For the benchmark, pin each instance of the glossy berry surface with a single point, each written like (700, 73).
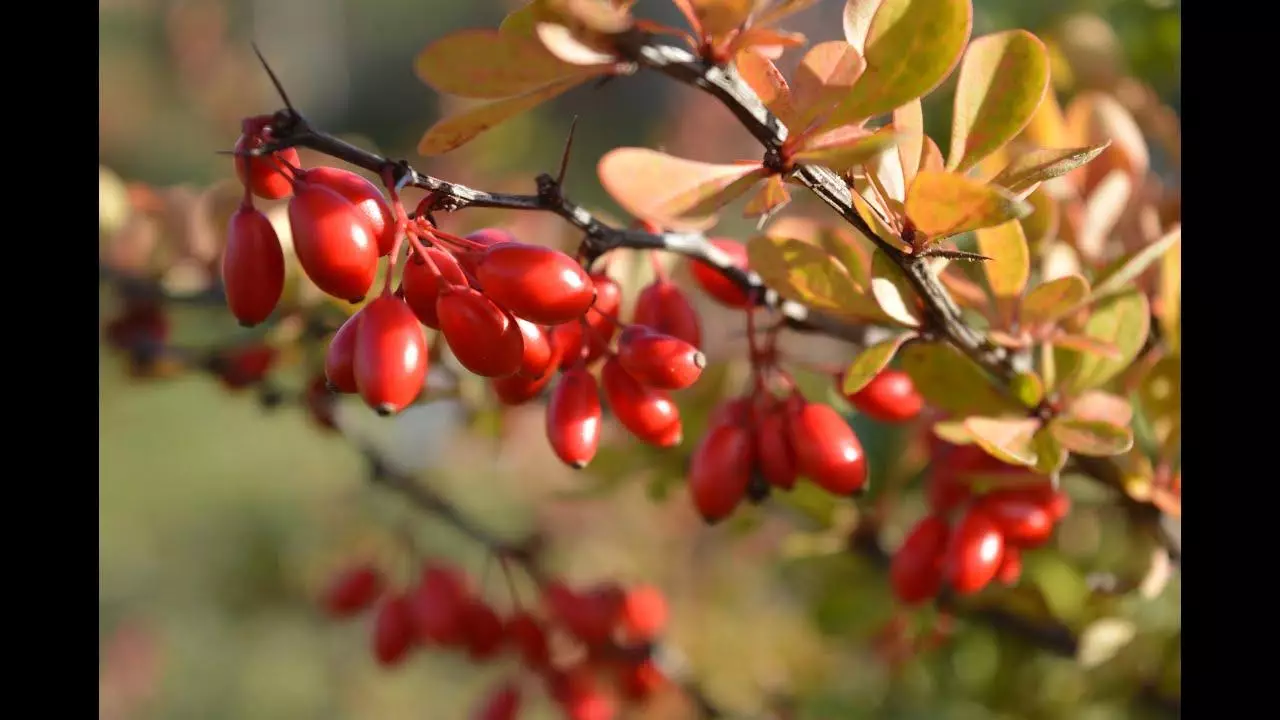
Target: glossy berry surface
(483, 337)
(340, 356)
(659, 361)
(536, 283)
(367, 198)
(333, 240)
(915, 572)
(573, 418)
(252, 266)
(973, 553)
(890, 397)
(663, 307)
(265, 175)
(390, 355)
(647, 413)
(827, 450)
(717, 285)
(422, 282)
(720, 471)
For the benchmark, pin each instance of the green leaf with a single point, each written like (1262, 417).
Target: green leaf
(1028, 388)
(1003, 79)
(1161, 396)
(846, 248)
(1032, 168)
(951, 382)
(1103, 639)
(940, 204)
(845, 147)
(1091, 437)
(871, 361)
(490, 64)
(953, 431)
(910, 47)
(1050, 455)
(1050, 301)
(892, 292)
(1010, 264)
(1117, 278)
(1123, 321)
(1006, 439)
(801, 272)
(458, 130)
(670, 191)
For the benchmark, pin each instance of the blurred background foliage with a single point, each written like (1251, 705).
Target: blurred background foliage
(219, 522)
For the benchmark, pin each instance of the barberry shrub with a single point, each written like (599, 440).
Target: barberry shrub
(1011, 310)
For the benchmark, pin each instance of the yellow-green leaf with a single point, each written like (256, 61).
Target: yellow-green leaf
(1006, 439)
(1161, 396)
(910, 47)
(944, 203)
(825, 75)
(771, 196)
(1010, 264)
(1170, 314)
(953, 431)
(1087, 344)
(1036, 166)
(673, 192)
(1091, 437)
(1003, 78)
(1118, 276)
(490, 64)
(845, 147)
(1050, 301)
(872, 218)
(1103, 639)
(951, 382)
(801, 272)
(892, 291)
(1050, 455)
(1122, 320)
(851, 253)
(456, 131)
(870, 362)
(1028, 388)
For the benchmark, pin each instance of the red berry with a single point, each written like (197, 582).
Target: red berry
(827, 450)
(588, 703)
(340, 356)
(244, 366)
(536, 355)
(915, 573)
(392, 631)
(570, 339)
(438, 606)
(973, 552)
(644, 613)
(639, 681)
(518, 389)
(890, 397)
(391, 355)
(529, 640)
(590, 615)
(647, 413)
(658, 360)
(663, 307)
(483, 337)
(602, 319)
(773, 446)
(1055, 502)
(265, 175)
(720, 471)
(718, 286)
(319, 403)
(333, 240)
(422, 283)
(365, 196)
(252, 266)
(573, 418)
(735, 411)
(353, 591)
(502, 704)
(1010, 566)
(1024, 520)
(536, 283)
(484, 630)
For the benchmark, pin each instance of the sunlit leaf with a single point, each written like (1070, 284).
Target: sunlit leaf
(951, 382)
(872, 218)
(1091, 437)
(565, 45)
(845, 147)
(1122, 320)
(598, 16)
(1087, 344)
(892, 291)
(908, 123)
(456, 131)
(1048, 126)
(930, 157)
(870, 362)
(490, 64)
(1003, 78)
(720, 17)
(1028, 388)
(1006, 439)
(771, 196)
(943, 203)
(779, 9)
(1103, 639)
(953, 431)
(1102, 211)
(1049, 301)
(1037, 166)
(910, 47)
(801, 272)
(825, 75)
(1117, 278)
(852, 253)
(764, 77)
(769, 42)
(1095, 117)
(1101, 406)
(673, 192)
(1170, 297)
(1010, 264)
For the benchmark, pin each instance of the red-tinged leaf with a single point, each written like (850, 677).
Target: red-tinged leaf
(1034, 167)
(1123, 321)
(1091, 437)
(941, 204)
(910, 47)
(766, 79)
(690, 15)
(825, 75)
(718, 18)
(1101, 406)
(489, 64)
(1003, 78)
(931, 157)
(845, 147)
(1049, 301)
(570, 48)
(966, 292)
(780, 9)
(1116, 278)
(673, 192)
(908, 123)
(1010, 264)
(595, 16)
(456, 131)
(769, 42)
(1006, 439)
(871, 361)
(1011, 341)
(1086, 344)
(1095, 117)
(771, 197)
(892, 291)
(801, 272)
(951, 382)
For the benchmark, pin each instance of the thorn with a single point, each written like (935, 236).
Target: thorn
(274, 80)
(564, 157)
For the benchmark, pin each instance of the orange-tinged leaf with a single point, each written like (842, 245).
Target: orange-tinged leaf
(1101, 406)
(1049, 301)
(562, 43)
(1042, 223)
(597, 16)
(892, 291)
(851, 252)
(1091, 437)
(769, 42)
(943, 203)
(930, 157)
(1010, 264)
(1118, 277)
(456, 131)
(910, 47)
(674, 192)
(780, 9)
(766, 79)
(908, 123)
(1003, 78)
(951, 382)
(771, 196)
(870, 362)
(825, 75)
(801, 272)
(1171, 295)
(872, 218)
(690, 15)
(1121, 320)
(1048, 126)
(489, 64)
(845, 147)
(1029, 169)
(966, 292)
(1103, 209)
(1093, 117)
(1006, 439)
(1086, 344)
(720, 17)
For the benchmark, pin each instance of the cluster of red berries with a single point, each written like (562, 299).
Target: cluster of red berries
(968, 539)
(589, 647)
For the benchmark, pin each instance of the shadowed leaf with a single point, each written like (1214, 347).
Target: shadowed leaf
(825, 75)
(892, 292)
(489, 64)
(846, 147)
(1006, 439)
(1091, 437)
(908, 123)
(943, 203)
(1003, 78)
(870, 362)
(1086, 344)
(456, 131)
(1116, 278)
(771, 196)
(1028, 388)
(674, 192)
(1010, 264)
(1122, 320)
(1036, 166)
(764, 77)
(1050, 455)
(872, 218)
(966, 292)
(951, 382)
(1050, 301)
(801, 272)
(1042, 223)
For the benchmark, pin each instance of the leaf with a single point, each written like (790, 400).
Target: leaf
(1003, 78)
(570, 48)
(931, 157)
(870, 362)
(1028, 388)
(825, 75)
(943, 203)
(673, 192)
(892, 292)
(966, 292)
(1161, 396)
(951, 382)
(1050, 301)
(1036, 166)
(455, 131)
(771, 196)
(1101, 406)
(910, 47)
(1010, 264)
(780, 9)
(1006, 439)
(851, 253)
(845, 147)
(1170, 297)
(1122, 320)
(1086, 344)
(490, 64)
(766, 79)
(1102, 211)
(1103, 639)
(1060, 584)
(953, 431)
(908, 123)
(1094, 117)
(1042, 223)
(1050, 455)
(1091, 437)
(1117, 279)
(872, 218)
(801, 272)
